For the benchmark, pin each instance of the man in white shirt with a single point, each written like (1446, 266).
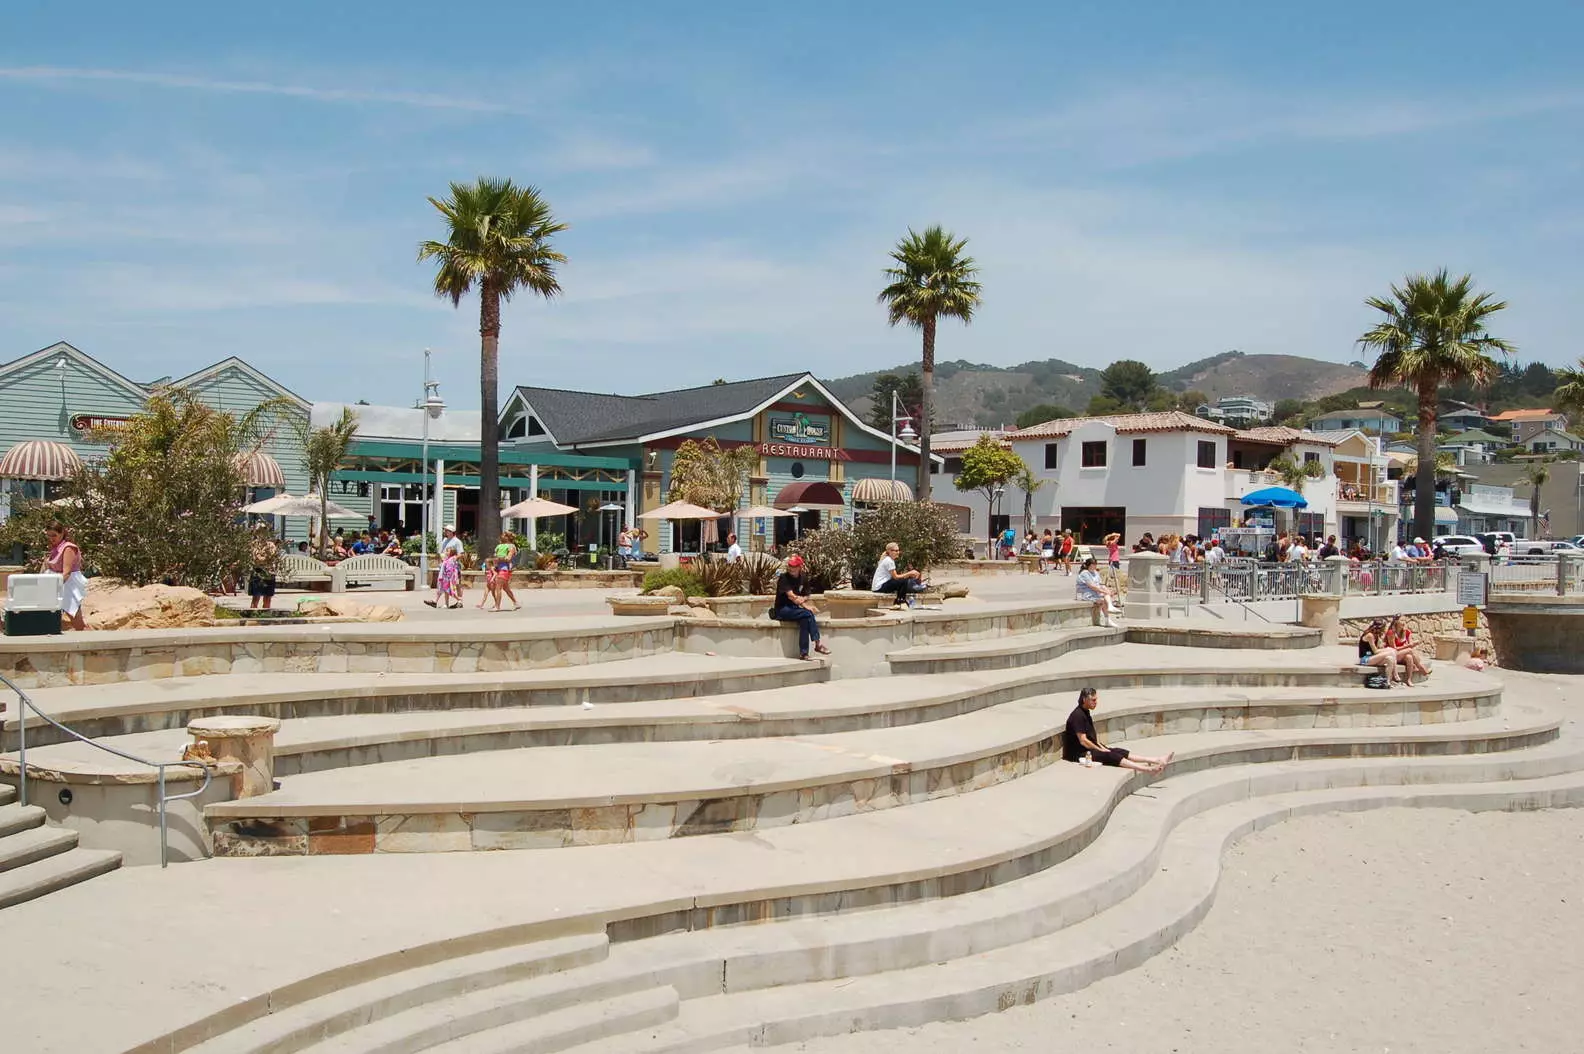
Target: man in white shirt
(734, 551)
(1297, 552)
(887, 579)
(1215, 554)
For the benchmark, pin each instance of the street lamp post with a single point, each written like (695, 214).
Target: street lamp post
(906, 435)
(431, 406)
(995, 503)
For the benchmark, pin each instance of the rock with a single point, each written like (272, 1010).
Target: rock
(112, 605)
(689, 612)
(675, 593)
(697, 602)
(952, 591)
(337, 608)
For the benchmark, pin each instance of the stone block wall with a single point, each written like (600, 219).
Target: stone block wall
(1425, 625)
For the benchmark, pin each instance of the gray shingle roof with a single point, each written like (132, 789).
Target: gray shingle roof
(588, 417)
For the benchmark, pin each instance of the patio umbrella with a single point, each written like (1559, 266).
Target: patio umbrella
(761, 512)
(681, 510)
(308, 505)
(1277, 497)
(536, 509)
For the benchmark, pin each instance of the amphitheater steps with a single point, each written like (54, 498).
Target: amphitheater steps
(1000, 653)
(36, 859)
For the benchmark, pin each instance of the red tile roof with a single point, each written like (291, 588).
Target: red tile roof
(1283, 436)
(1524, 415)
(1168, 421)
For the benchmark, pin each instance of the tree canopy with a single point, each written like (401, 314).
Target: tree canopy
(1037, 415)
(1129, 384)
(908, 389)
(707, 474)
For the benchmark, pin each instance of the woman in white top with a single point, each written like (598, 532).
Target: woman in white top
(1092, 588)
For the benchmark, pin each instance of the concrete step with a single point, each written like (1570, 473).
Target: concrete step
(576, 1026)
(1166, 903)
(323, 1013)
(1000, 653)
(128, 707)
(8, 794)
(624, 793)
(54, 872)
(24, 847)
(14, 818)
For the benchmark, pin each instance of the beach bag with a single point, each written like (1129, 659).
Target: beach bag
(1376, 680)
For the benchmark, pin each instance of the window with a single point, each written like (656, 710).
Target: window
(1237, 459)
(1212, 519)
(797, 470)
(1094, 455)
(1309, 456)
(954, 464)
(1050, 455)
(1207, 455)
(1139, 446)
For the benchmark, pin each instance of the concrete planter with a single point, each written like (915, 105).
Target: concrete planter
(851, 603)
(740, 607)
(1320, 611)
(639, 605)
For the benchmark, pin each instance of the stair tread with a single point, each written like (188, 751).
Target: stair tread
(14, 818)
(24, 847)
(1006, 644)
(54, 872)
(8, 794)
(585, 1023)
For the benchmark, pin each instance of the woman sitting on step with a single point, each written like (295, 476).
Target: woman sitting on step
(1400, 639)
(1373, 650)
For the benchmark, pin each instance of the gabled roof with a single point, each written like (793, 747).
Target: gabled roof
(1338, 436)
(1361, 413)
(1569, 436)
(234, 363)
(1169, 421)
(1284, 436)
(960, 439)
(83, 359)
(1474, 435)
(575, 418)
(1525, 415)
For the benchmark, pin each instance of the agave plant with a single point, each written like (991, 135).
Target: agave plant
(720, 578)
(759, 573)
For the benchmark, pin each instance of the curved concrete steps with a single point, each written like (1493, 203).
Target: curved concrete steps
(804, 977)
(999, 653)
(639, 792)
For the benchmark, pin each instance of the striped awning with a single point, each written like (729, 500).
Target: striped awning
(873, 491)
(40, 459)
(260, 470)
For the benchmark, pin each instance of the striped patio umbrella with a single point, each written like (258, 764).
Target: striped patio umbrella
(40, 459)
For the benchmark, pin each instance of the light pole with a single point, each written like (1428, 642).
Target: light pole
(431, 406)
(995, 503)
(906, 435)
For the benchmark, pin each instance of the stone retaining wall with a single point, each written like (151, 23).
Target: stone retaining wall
(1425, 625)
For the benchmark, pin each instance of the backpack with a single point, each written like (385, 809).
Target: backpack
(1376, 680)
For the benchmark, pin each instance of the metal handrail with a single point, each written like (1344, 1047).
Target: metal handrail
(161, 766)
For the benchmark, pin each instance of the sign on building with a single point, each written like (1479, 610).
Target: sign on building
(799, 429)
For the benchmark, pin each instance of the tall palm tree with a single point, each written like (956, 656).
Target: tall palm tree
(1028, 482)
(931, 278)
(324, 451)
(498, 240)
(1569, 397)
(1535, 476)
(1432, 332)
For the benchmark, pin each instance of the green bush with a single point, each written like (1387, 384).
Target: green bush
(927, 533)
(676, 576)
(828, 553)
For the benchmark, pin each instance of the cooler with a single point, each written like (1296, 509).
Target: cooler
(32, 605)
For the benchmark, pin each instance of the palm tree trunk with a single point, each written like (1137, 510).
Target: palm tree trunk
(926, 408)
(1424, 476)
(489, 419)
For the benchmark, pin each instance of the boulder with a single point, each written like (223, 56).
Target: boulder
(698, 602)
(673, 593)
(336, 607)
(953, 591)
(112, 605)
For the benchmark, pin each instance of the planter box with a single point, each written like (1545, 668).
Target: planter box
(639, 605)
(852, 603)
(748, 606)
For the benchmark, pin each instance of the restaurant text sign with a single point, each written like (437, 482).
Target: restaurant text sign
(816, 453)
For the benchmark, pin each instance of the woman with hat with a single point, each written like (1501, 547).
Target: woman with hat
(792, 605)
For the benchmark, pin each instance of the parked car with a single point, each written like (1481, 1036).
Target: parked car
(1459, 545)
(1542, 547)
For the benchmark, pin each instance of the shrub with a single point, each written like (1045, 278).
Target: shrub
(413, 545)
(759, 573)
(675, 576)
(719, 578)
(828, 552)
(927, 533)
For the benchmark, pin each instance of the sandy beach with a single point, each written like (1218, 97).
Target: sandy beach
(1402, 930)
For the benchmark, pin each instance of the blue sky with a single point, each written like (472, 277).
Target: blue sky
(1156, 183)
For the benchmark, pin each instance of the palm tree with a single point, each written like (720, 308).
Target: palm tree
(1029, 483)
(931, 278)
(1432, 333)
(324, 451)
(498, 239)
(1535, 476)
(1569, 397)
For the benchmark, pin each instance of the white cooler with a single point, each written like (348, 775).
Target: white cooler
(33, 604)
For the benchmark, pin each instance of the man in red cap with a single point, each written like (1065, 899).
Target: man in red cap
(792, 605)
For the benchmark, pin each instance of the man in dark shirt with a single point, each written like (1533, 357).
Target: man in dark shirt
(792, 605)
(1078, 741)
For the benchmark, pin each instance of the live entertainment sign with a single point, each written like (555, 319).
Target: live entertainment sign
(98, 423)
(812, 453)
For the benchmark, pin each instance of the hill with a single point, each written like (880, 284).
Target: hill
(969, 393)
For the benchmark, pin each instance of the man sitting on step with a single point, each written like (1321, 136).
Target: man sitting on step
(1079, 743)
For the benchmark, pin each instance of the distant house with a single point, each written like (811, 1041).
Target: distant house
(1462, 419)
(1237, 411)
(1552, 440)
(1370, 421)
(1525, 424)
(1474, 447)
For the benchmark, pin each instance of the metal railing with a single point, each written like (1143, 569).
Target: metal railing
(1377, 577)
(1244, 580)
(1367, 493)
(1545, 573)
(27, 704)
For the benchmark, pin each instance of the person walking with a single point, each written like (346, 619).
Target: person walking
(792, 605)
(65, 559)
(500, 583)
(261, 578)
(448, 583)
(1069, 546)
(734, 553)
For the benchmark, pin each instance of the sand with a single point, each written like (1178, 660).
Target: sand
(1392, 931)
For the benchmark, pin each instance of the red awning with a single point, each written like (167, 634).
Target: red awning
(811, 494)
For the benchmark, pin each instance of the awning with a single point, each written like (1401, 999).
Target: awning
(811, 494)
(258, 469)
(1445, 515)
(40, 459)
(1475, 508)
(874, 491)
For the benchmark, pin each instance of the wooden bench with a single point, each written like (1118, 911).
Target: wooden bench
(296, 569)
(372, 569)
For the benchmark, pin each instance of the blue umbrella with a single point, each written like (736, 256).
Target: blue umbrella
(1280, 497)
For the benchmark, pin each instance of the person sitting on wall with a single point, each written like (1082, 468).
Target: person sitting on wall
(887, 579)
(792, 605)
(1092, 590)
